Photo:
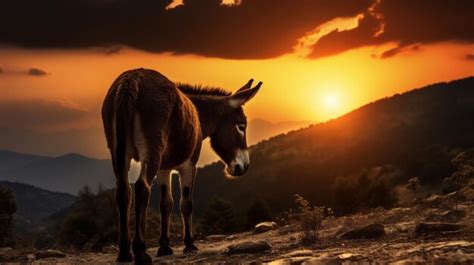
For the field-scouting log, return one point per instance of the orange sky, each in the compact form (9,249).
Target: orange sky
(331,69)
(295,88)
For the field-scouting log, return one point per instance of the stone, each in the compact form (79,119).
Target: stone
(50,253)
(216,237)
(299,253)
(6,253)
(231,237)
(433,200)
(264,227)
(426,228)
(446,216)
(371,231)
(248,247)
(110,249)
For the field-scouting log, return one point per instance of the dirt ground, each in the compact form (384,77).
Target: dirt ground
(446,238)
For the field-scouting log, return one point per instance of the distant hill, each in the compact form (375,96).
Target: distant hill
(381,145)
(35,204)
(67,173)
(92,143)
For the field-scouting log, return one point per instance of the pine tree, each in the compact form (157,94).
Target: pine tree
(256,213)
(7,209)
(218,218)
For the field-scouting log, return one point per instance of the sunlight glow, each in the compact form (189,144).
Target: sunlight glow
(331,101)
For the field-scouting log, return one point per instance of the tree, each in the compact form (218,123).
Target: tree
(256,213)
(7,209)
(218,218)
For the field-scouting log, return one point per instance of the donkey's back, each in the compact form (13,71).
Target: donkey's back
(145,116)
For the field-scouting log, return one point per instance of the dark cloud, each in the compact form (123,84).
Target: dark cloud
(1,70)
(251,29)
(407,23)
(469,57)
(37,114)
(36,72)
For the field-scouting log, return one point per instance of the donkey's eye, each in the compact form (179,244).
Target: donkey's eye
(240,128)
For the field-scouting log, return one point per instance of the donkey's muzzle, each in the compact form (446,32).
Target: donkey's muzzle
(239,170)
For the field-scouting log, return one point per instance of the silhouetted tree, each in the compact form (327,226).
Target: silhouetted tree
(256,213)
(7,209)
(218,218)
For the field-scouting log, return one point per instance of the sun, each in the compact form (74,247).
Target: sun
(331,101)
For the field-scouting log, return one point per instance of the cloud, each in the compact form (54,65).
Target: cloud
(406,23)
(38,114)
(36,72)
(1,70)
(250,29)
(469,57)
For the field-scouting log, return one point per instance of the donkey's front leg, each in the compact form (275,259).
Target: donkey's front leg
(187,173)
(166,206)
(142,198)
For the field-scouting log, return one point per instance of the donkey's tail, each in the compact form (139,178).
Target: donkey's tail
(124,109)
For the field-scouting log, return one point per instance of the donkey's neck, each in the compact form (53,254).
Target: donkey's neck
(210,110)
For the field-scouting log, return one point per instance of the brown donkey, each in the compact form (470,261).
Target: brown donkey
(150,119)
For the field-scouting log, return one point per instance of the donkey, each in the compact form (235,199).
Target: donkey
(150,119)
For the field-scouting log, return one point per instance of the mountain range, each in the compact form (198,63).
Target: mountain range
(70,172)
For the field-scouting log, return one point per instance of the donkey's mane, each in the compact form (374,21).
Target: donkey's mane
(202,90)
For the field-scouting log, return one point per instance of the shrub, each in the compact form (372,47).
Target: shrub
(309,218)
(218,218)
(7,209)
(256,213)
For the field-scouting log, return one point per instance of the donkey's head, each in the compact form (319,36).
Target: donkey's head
(229,139)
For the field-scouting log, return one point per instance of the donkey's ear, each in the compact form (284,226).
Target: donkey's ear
(246,86)
(241,96)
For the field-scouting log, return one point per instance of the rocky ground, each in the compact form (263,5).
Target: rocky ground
(435,230)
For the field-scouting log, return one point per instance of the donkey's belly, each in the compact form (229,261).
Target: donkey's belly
(176,153)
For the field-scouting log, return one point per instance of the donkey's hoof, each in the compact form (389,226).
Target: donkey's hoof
(164,251)
(124,257)
(190,248)
(143,258)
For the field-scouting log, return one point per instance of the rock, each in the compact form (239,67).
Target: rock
(299,253)
(31,257)
(110,249)
(216,237)
(264,227)
(435,227)
(231,237)
(433,200)
(368,232)
(446,216)
(290,261)
(50,253)
(248,247)
(6,254)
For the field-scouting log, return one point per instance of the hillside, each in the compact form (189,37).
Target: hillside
(436,230)
(367,151)
(35,204)
(67,173)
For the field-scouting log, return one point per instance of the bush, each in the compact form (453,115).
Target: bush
(7,209)
(309,218)
(218,218)
(256,213)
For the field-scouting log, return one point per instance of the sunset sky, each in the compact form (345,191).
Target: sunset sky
(317,59)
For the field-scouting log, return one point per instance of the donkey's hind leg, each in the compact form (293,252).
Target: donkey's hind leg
(122,194)
(166,206)
(142,198)
(187,173)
